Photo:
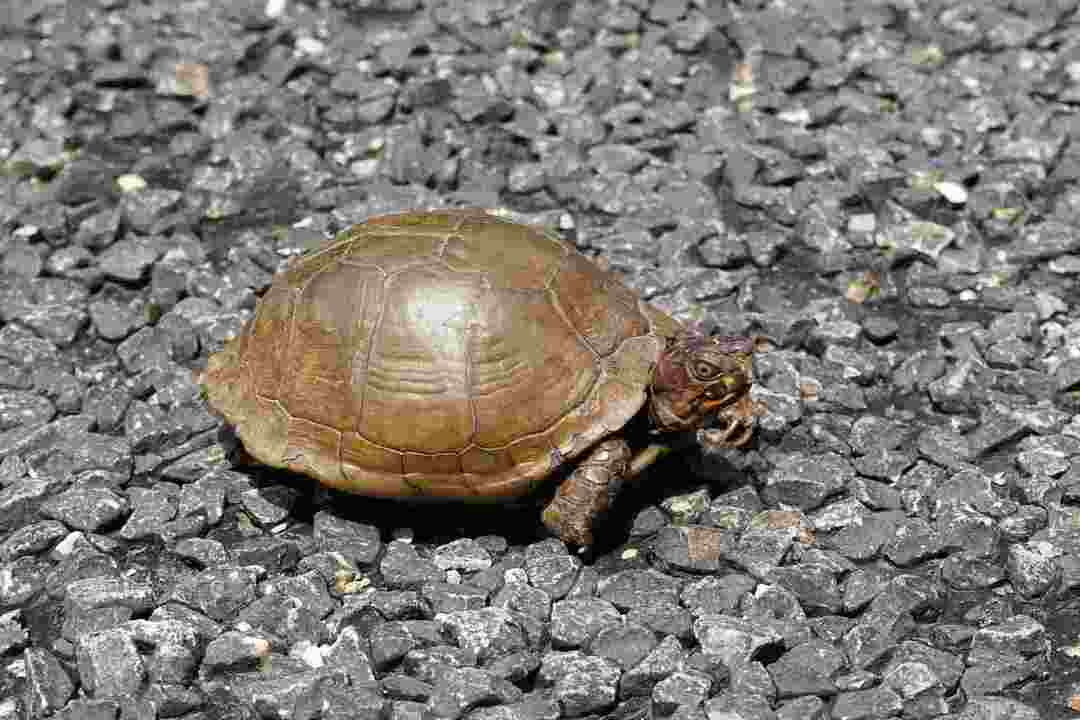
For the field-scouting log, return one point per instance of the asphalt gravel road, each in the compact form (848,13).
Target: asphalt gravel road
(888,190)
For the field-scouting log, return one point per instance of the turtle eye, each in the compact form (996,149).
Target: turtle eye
(704,370)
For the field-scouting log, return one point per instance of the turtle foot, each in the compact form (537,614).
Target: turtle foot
(588,492)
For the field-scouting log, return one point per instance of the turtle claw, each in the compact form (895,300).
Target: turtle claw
(737,425)
(570,526)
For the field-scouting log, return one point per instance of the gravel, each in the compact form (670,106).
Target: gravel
(889,192)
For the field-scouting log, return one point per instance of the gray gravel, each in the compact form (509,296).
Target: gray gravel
(888,190)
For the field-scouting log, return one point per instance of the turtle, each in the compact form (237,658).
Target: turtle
(458,354)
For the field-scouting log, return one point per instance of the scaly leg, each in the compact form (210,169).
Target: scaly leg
(588,492)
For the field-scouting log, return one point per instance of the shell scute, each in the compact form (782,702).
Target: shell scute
(600,308)
(328,329)
(513,256)
(530,368)
(417,364)
(361,452)
(267,336)
(314,449)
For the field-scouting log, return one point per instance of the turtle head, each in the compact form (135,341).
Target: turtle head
(701,378)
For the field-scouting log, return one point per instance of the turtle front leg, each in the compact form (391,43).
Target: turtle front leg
(588,492)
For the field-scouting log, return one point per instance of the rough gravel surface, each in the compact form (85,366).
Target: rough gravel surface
(888,189)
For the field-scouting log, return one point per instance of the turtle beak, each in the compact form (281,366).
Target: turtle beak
(722,394)
(712,407)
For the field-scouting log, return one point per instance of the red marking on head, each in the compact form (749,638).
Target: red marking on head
(670,375)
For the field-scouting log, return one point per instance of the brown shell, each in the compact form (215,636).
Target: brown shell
(447,353)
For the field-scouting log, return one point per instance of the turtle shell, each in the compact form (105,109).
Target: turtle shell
(446,353)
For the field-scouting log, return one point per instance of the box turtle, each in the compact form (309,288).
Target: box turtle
(455,354)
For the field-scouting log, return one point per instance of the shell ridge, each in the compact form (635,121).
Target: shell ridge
(446,237)
(495,364)
(467,350)
(559,242)
(346,238)
(375,332)
(297,295)
(346,260)
(475,446)
(294,295)
(556,302)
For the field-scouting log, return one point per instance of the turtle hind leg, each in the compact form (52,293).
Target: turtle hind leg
(588,492)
